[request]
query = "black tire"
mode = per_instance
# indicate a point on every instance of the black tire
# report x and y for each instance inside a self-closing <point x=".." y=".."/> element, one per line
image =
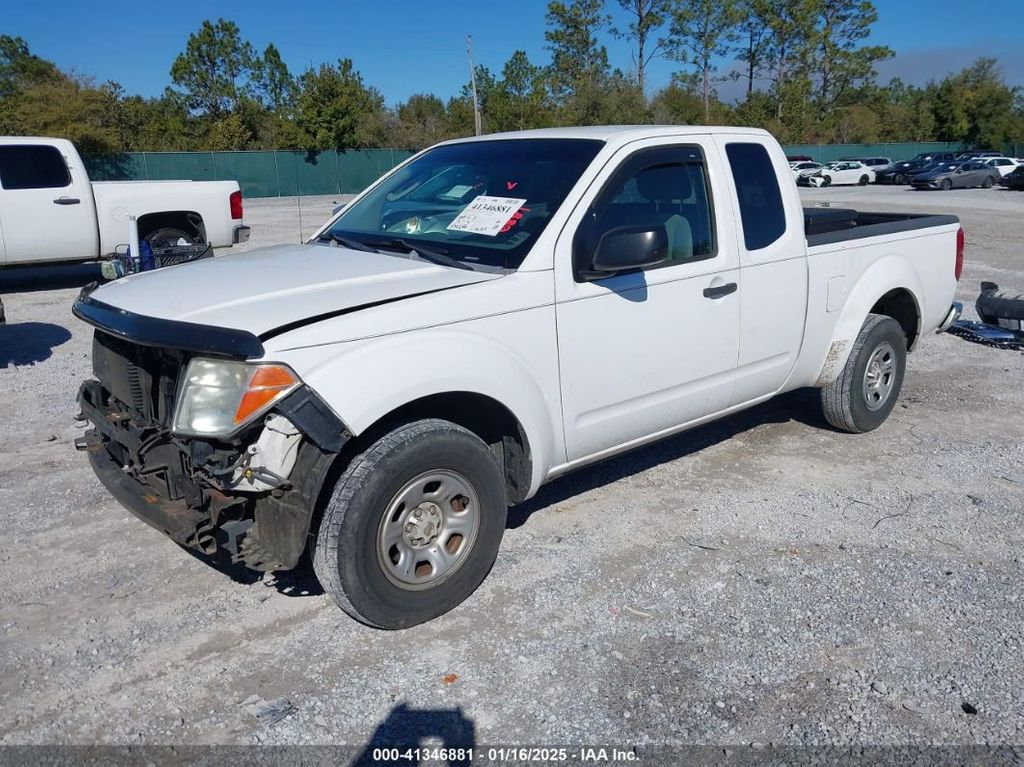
<point x="987" y="183"/>
<point x="945" y="185"/>
<point x="900" y="179"/>
<point x="863" y="181"/>
<point x="844" y="402"/>
<point x="169" y="235"/>
<point x="3" y="315"/>
<point x="345" y="556"/>
<point x="826" y="181"/>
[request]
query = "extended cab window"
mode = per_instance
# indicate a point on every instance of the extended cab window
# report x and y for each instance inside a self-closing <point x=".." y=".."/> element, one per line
<point x="664" y="187"/>
<point x="757" y="187"/>
<point x="32" y="167"/>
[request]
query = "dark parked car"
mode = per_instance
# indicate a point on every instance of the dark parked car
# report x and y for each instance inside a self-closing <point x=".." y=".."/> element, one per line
<point x="977" y="155"/>
<point x="949" y="175"/>
<point x="1014" y="179"/>
<point x="901" y="172"/>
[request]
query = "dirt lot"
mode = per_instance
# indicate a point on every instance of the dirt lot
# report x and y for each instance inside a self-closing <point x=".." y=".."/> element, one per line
<point x="763" y="579"/>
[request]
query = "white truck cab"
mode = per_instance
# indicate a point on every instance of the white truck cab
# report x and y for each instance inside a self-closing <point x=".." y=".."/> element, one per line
<point x="491" y="314"/>
<point x="51" y="212"/>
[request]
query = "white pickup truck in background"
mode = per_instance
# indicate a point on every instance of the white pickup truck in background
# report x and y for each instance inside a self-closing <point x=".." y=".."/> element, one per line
<point x="491" y="314"/>
<point x="51" y="212"/>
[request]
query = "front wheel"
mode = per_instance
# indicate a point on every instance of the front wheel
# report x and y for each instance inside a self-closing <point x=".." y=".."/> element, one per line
<point x="826" y="181"/>
<point x="865" y="392"/>
<point x="863" y="181"/>
<point x="945" y="185"/>
<point x="987" y="183"/>
<point x="900" y="178"/>
<point x="413" y="525"/>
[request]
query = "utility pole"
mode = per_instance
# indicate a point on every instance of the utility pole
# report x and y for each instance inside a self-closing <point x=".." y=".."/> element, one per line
<point x="477" y="121"/>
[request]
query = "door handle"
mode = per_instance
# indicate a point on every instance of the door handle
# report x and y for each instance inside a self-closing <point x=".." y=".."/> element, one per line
<point x="67" y="201"/>
<point x="720" y="291"/>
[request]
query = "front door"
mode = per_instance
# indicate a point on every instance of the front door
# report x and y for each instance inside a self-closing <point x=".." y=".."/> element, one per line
<point x="646" y="351"/>
<point x="47" y="214"/>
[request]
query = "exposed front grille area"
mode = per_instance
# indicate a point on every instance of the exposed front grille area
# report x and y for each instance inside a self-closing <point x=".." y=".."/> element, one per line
<point x="141" y="378"/>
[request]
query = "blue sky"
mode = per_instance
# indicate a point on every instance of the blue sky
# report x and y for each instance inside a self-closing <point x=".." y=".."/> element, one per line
<point x="410" y="47"/>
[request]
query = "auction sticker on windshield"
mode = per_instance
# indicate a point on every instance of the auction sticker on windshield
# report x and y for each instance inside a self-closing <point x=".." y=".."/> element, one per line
<point x="486" y="215"/>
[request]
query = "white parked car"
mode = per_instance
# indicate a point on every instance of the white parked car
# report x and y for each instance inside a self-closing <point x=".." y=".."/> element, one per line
<point x="805" y="168"/>
<point x="493" y="313"/>
<point x="50" y="211"/>
<point x="1004" y="165"/>
<point x="847" y="172"/>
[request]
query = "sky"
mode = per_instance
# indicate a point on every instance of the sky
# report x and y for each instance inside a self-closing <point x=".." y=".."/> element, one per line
<point x="404" y="47"/>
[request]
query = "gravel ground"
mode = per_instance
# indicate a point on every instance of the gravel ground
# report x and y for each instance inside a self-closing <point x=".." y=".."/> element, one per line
<point x="759" y="580"/>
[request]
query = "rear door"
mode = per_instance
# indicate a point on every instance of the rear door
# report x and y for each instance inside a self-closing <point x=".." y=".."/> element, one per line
<point x="773" y="265"/>
<point x="45" y="211"/>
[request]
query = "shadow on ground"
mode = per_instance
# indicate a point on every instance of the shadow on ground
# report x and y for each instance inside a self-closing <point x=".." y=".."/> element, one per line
<point x="405" y="727"/>
<point x="801" y="406"/>
<point x="26" y="343"/>
<point x="55" y="277"/>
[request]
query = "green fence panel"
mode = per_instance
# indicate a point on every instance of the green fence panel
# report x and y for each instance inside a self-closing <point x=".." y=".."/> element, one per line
<point x="255" y="172"/>
<point x="902" y="151"/>
<point x="179" y="166"/>
<point x="290" y="173"/>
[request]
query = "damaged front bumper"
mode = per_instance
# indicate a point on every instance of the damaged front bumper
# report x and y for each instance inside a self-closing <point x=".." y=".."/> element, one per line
<point x="252" y="499"/>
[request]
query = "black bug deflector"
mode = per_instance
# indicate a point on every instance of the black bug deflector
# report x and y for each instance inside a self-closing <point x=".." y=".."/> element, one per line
<point x="173" y="334"/>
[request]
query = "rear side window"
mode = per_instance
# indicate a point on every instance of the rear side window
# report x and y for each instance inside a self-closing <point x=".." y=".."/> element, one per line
<point x="757" y="187"/>
<point x="32" y="167"/>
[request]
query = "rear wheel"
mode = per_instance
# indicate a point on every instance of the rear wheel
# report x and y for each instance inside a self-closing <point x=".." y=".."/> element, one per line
<point x="170" y="235"/>
<point x="413" y="525"/>
<point x="863" y="181"/>
<point x="900" y="178"/>
<point x="987" y="183"/>
<point x="826" y="181"/>
<point x="865" y="392"/>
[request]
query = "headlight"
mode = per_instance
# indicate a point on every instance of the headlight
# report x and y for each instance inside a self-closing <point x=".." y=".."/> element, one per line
<point x="218" y="396"/>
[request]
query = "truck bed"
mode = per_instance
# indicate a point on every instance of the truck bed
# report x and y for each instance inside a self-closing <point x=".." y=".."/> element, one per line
<point x="829" y="225"/>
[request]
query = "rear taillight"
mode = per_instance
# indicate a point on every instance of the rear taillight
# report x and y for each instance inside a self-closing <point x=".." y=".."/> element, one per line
<point x="236" y="204"/>
<point x="959" y="267"/>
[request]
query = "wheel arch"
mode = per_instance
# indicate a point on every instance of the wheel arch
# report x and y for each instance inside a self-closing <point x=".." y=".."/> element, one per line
<point x="891" y="287"/>
<point x="186" y="220"/>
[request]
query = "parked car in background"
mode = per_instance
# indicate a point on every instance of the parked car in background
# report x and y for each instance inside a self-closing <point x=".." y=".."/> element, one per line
<point x="490" y="315"/>
<point x="977" y="155"/>
<point x="1002" y="164"/>
<point x="900" y="172"/>
<point x="805" y="168"/>
<point x="798" y="158"/>
<point x="957" y="176"/>
<point x="50" y="211"/>
<point x="850" y="172"/>
<point x="935" y="156"/>
<point x="876" y="163"/>
<point x="1014" y="179"/>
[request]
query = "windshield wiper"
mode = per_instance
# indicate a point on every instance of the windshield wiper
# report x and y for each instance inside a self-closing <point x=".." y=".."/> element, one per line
<point x="418" y="251"/>
<point x="346" y="242"/>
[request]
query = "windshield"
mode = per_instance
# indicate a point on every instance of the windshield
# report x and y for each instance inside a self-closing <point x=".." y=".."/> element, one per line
<point x="481" y="204"/>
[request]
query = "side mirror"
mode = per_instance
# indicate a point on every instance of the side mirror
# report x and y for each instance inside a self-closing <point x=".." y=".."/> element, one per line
<point x="630" y="247"/>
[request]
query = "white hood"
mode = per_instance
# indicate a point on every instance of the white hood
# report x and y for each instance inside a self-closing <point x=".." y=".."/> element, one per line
<point x="268" y="288"/>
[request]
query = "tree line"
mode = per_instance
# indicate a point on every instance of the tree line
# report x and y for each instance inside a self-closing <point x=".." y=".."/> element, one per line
<point x="804" y="69"/>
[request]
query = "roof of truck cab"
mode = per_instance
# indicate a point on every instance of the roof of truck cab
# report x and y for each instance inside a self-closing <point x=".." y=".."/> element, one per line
<point x="616" y="133"/>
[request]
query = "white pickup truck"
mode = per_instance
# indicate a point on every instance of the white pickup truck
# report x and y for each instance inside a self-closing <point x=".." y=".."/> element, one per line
<point x="491" y="314"/>
<point x="50" y="211"/>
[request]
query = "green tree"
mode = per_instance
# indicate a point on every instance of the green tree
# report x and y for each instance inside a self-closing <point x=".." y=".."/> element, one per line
<point x="579" y="62"/>
<point x="752" y="40"/>
<point x="215" y="70"/>
<point x="646" y="17"/>
<point x="275" y="85"/>
<point x="701" y="32"/>
<point x="791" y="36"/>
<point x="334" y="106"/>
<point x="840" y="61"/>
